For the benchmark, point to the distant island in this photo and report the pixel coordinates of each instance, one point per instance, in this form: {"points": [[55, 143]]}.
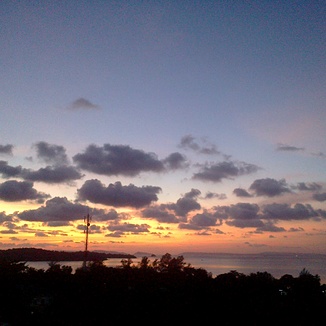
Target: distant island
{"points": [[35, 254]]}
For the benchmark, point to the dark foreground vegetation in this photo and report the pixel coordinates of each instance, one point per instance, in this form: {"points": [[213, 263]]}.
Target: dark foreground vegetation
{"points": [[166, 291]]}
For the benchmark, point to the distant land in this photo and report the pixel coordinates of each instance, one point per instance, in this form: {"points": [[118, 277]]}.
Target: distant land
{"points": [[35, 254], [255, 255]]}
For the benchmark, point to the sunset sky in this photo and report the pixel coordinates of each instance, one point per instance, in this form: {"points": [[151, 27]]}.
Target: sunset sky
{"points": [[178, 125]]}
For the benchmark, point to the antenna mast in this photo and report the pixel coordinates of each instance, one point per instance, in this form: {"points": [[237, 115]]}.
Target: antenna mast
{"points": [[87, 220]]}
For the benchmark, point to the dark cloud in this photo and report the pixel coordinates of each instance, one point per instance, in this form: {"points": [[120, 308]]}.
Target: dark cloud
{"points": [[269, 187], [102, 215], [240, 215], [319, 197], [53, 174], [49, 153], [288, 148], [49, 174], [6, 149], [239, 192], [5, 218], [159, 213], [175, 161], [8, 171], [246, 223], [270, 227], [286, 212], [186, 204], [224, 170], [13, 190], [117, 195], [302, 186], [243, 211], [129, 227], [188, 142], [117, 160], [56, 209], [203, 220], [211, 195], [82, 104]]}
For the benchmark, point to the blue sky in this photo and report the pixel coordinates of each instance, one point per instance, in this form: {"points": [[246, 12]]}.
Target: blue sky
{"points": [[196, 98]]}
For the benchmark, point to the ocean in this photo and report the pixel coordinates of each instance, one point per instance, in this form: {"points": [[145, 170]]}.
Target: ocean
{"points": [[275, 264]]}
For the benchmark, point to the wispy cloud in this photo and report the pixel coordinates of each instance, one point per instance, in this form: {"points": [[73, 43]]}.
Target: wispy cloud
{"points": [[288, 148]]}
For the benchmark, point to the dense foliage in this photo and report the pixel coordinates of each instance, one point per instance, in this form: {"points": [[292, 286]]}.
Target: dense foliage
{"points": [[166, 290]]}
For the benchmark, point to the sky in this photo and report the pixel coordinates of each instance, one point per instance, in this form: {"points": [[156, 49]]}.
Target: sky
{"points": [[176, 125]]}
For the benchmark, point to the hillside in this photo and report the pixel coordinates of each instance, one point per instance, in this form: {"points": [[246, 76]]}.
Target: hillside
{"points": [[35, 254]]}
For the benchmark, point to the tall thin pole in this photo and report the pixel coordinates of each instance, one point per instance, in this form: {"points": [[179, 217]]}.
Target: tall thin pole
{"points": [[87, 220]]}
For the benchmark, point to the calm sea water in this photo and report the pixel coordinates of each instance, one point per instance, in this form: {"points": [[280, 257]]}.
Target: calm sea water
{"points": [[276, 265]]}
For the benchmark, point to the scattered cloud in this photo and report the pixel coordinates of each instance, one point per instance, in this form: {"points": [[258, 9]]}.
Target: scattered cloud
{"points": [[269, 187], [82, 104], [277, 211], [6, 149], [55, 209], [189, 142], [216, 172], [53, 174], [319, 197], [8, 171], [50, 153], [288, 148], [117, 195], [13, 191], [302, 186], [239, 192], [117, 160]]}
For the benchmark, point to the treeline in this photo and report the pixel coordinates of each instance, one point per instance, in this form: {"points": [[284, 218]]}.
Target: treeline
{"points": [[163, 291], [35, 254]]}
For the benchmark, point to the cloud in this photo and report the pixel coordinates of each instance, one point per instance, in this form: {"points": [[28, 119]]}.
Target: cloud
{"points": [[186, 204], [288, 148], [270, 227], [211, 195], [188, 142], [6, 149], [203, 220], [117, 160], [8, 171], [319, 197], [175, 161], [224, 170], [55, 209], [242, 215], [51, 153], [12, 191], [302, 186], [239, 192], [286, 212], [117, 195], [82, 104], [129, 227], [160, 213], [53, 174], [4, 217], [269, 187]]}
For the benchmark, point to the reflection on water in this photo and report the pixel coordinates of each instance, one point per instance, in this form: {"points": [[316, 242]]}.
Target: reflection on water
{"points": [[276, 266]]}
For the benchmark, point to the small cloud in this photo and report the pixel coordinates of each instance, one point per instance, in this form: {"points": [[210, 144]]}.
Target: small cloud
{"points": [[320, 196], [189, 142], [288, 148], [82, 104], [239, 192]]}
